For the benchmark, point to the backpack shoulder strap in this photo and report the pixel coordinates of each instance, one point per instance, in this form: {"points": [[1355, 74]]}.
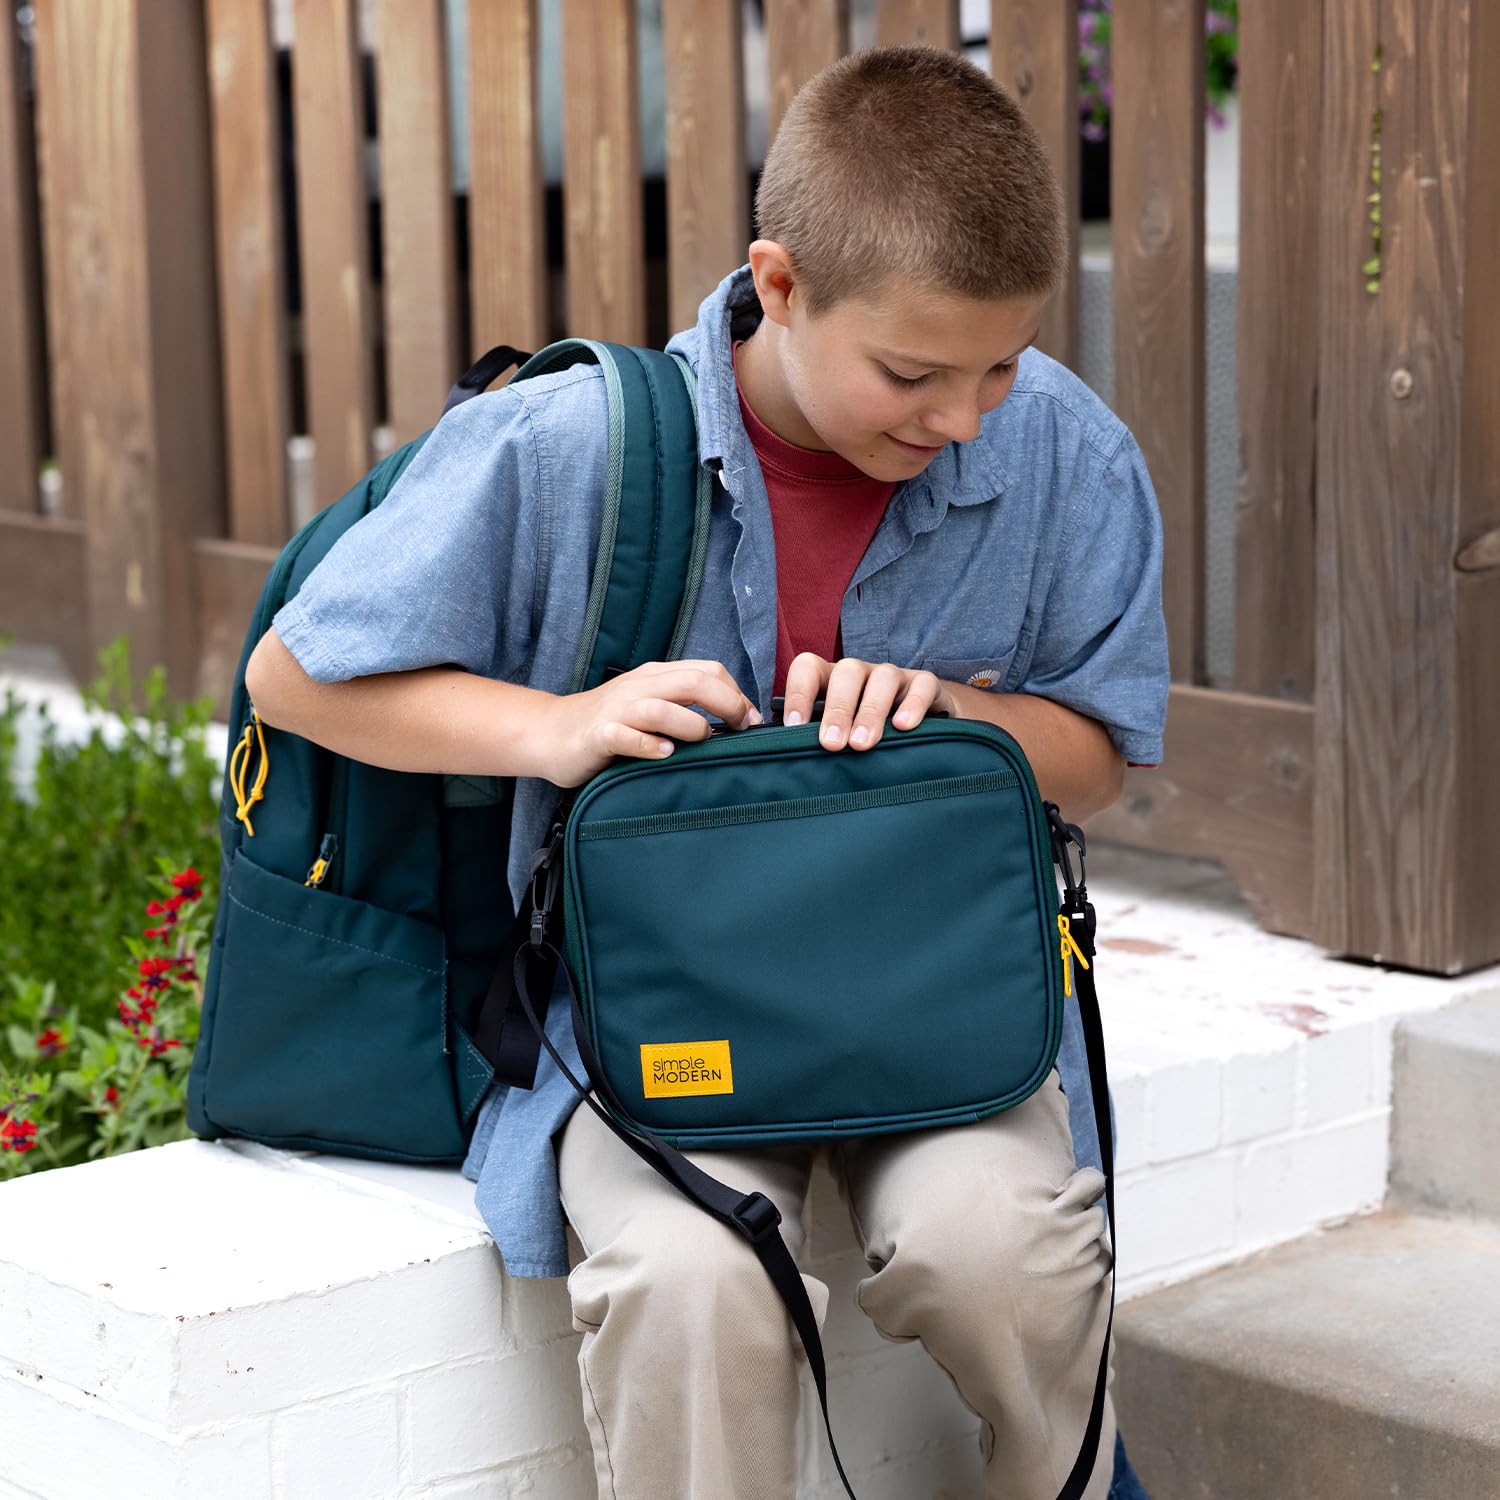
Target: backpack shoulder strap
{"points": [[654, 529], [648, 570]]}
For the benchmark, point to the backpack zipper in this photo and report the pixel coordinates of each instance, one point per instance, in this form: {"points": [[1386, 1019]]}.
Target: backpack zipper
{"points": [[326, 851], [338, 788]]}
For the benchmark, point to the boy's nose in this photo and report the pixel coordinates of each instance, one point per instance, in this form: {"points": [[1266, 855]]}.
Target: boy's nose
{"points": [[955, 424]]}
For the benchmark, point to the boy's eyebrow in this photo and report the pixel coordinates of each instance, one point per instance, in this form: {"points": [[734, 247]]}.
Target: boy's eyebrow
{"points": [[937, 364]]}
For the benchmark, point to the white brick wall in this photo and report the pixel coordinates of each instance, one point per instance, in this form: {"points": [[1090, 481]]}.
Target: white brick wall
{"points": [[227, 1321]]}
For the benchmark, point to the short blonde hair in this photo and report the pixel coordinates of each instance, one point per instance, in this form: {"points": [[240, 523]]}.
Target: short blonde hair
{"points": [[910, 164]]}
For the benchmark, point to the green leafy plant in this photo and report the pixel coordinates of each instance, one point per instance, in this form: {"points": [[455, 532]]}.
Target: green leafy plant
{"points": [[87, 1066], [83, 840]]}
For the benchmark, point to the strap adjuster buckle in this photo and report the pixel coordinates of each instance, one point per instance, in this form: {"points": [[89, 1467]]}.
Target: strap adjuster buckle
{"points": [[756, 1217]]}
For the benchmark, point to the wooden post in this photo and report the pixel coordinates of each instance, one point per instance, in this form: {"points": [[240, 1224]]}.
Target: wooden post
{"points": [[802, 38], [1281, 201], [1407, 820], [708, 198], [602, 164], [333, 214], [1156, 194], [1034, 53], [128, 207], [507, 245], [922, 23], [421, 271], [252, 279], [23, 378]]}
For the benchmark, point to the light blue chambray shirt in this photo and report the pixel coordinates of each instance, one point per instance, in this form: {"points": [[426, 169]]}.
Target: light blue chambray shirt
{"points": [[1028, 559]]}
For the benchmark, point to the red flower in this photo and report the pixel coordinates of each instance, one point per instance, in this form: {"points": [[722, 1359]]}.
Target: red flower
{"points": [[175, 903], [17, 1135], [154, 908], [189, 882], [112, 1096], [51, 1042], [155, 973]]}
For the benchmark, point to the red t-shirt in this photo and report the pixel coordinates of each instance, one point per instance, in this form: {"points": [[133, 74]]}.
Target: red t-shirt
{"points": [[824, 512]]}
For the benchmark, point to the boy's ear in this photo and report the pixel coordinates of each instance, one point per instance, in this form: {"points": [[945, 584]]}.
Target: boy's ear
{"points": [[775, 279]]}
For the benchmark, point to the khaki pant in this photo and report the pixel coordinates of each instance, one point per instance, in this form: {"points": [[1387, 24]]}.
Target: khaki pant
{"points": [[984, 1241]]}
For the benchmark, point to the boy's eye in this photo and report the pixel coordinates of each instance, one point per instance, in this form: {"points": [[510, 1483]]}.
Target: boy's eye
{"points": [[906, 382]]}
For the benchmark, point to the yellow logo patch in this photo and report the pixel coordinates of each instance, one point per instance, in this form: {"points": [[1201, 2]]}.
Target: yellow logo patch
{"points": [[673, 1070]]}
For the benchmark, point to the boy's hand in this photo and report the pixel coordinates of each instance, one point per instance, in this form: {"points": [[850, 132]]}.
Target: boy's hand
{"points": [[630, 715], [859, 697]]}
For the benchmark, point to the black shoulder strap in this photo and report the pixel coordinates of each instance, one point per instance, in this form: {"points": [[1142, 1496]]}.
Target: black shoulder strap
{"points": [[753, 1215], [482, 374]]}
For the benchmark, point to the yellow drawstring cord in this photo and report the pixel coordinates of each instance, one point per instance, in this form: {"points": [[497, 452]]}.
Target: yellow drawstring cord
{"points": [[239, 765], [316, 874], [1070, 951]]}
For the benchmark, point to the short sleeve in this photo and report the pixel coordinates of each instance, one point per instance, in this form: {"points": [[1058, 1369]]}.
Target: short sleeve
{"points": [[1101, 646], [443, 571]]}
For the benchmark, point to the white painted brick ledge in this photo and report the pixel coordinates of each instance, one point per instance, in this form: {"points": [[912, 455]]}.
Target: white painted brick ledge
{"points": [[221, 1319]]}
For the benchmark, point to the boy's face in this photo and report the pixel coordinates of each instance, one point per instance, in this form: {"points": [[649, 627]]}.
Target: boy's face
{"points": [[887, 380]]}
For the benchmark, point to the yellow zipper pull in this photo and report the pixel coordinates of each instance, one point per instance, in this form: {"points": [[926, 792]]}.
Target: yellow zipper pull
{"points": [[239, 767], [1070, 951], [326, 851]]}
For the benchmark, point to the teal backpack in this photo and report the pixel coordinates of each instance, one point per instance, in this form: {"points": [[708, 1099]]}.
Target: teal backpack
{"points": [[358, 996]]}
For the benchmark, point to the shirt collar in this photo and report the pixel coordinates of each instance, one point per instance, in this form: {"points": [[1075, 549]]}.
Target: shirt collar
{"points": [[962, 474]]}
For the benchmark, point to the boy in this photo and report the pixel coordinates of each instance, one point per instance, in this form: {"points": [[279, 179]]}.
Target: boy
{"points": [[909, 512]]}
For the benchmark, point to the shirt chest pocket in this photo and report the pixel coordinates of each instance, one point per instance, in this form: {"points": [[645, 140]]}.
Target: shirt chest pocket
{"points": [[989, 672]]}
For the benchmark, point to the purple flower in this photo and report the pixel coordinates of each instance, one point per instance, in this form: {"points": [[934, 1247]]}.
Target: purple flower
{"points": [[1092, 131], [1217, 24]]}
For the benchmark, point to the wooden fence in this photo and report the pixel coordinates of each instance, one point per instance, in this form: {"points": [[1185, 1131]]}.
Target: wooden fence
{"points": [[145, 342]]}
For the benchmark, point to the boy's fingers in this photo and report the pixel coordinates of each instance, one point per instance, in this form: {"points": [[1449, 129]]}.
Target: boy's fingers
{"points": [[659, 716], [805, 676], [882, 688], [715, 691], [841, 696], [921, 693], [621, 739]]}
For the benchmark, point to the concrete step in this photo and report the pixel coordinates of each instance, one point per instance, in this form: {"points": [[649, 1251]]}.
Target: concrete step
{"points": [[1358, 1362], [1445, 1126]]}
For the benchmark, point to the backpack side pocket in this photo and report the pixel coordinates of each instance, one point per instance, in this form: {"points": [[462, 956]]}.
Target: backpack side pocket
{"points": [[332, 1026]]}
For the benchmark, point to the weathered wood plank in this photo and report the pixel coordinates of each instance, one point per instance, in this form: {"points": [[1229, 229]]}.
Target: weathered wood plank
{"points": [[1156, 192], [802, 38], [252, 278], [230, 577], [130, 209], [1477, 913], [923, 23], [1235, 785], [708, 196], [1408, 838], [1034, 53], [334, 231], [421, 271], [507, 240], [43, 593], [23, 375], [606, 251], [1281, 200], [55, 185]]}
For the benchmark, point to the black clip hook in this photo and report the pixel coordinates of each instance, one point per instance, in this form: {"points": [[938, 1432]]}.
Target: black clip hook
{"points": [[1063, 834], [546, 876]]}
